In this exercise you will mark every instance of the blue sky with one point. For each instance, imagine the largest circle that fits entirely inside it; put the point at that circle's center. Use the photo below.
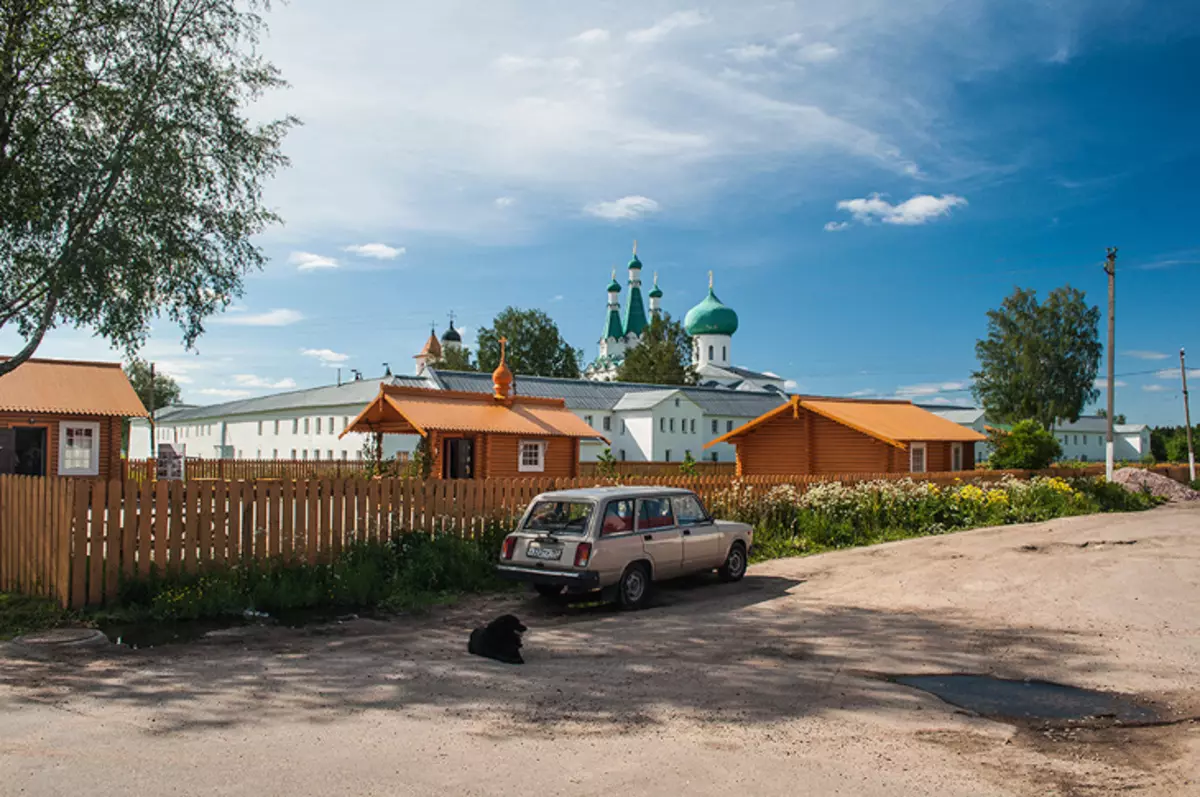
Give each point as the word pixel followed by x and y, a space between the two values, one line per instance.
pixel 866 179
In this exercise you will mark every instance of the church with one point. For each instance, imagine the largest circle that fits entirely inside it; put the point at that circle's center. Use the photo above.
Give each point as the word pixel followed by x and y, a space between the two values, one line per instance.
pixel 711 325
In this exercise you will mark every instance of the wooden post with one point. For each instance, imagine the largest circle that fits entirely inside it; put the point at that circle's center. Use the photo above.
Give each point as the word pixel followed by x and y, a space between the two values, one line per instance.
pixel 1110 268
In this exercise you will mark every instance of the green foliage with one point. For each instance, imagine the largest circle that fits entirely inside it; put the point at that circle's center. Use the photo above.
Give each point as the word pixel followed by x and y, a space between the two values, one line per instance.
pixel 456 360
pixel 535 346
pixel 832 515
pixel 1027 446
pixel 688 466
pixel 664 357
pixel 1039 360
pixel 1103 413
pixel 606 464
pixel 409 571
pixel 130 172
pixel 1148 459
pixel 165 391
pixel 420 464
pixel 1195 484
pixel 24 614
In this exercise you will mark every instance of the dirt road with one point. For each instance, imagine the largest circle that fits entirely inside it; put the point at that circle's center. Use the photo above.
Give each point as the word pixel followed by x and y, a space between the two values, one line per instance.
pixel 774 686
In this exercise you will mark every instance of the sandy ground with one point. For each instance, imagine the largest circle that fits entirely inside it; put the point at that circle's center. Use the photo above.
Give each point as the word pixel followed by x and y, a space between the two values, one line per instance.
pixel 768 687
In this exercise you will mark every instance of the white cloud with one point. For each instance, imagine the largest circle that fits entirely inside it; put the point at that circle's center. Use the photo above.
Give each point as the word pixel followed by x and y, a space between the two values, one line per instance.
pixel 1173 373
pixel 224 392
pixel 272 318
pixel 592 36
pixel 377 251
pixel 680 20
pixel 817 52
pixel 327 357
pixel 250 380
pixel 307 261
pixel 521 63
pixel 1153 388
pixel 751 52
pixel 1145 355
pixel 930 389
pixel 557 298
pixel 1102 384
pixel 791 385
pixel 627 207
pixel 861 393
pixel 940 401
pixel 836 226
pixel 917 210
pixel 505 201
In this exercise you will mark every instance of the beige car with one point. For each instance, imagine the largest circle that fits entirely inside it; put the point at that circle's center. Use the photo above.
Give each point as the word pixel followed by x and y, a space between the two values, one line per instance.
pixel 619 540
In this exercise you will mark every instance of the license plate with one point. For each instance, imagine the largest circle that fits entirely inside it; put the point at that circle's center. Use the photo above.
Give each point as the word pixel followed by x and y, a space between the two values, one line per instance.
pixel 538 552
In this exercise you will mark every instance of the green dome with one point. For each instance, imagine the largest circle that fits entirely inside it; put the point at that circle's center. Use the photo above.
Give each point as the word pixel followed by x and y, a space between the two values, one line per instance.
pixel 634 262
pixel 614 286
pixel 655 292
pixel 710 317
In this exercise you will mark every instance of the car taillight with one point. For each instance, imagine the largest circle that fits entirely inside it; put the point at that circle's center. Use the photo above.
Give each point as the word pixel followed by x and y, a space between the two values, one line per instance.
pixel 583 553
pixel 510 545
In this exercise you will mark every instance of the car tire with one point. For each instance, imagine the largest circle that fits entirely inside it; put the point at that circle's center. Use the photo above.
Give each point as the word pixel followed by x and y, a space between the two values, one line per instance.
pixel 633 590
pixel 549 590
pixel 735 563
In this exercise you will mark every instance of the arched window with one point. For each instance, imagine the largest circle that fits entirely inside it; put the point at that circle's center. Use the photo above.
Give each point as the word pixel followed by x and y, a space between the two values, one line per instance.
pixel 724 356
pixel 710 352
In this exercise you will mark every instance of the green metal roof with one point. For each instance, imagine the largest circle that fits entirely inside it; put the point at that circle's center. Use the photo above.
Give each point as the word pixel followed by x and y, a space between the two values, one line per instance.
pixel 710 317
pixel 612 327
pixel 635 311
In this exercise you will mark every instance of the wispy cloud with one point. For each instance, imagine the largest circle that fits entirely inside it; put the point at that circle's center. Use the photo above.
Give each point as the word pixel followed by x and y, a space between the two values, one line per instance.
pixel 505 201
pixel 791 385
pixel 327 357
pixel 377 251
pixel 1102 383
pixel 1153 388
pixel 1173 373
pixel 592 36
pixel 836 226
pixel 1145 355
pixel 862 393
pixel 751 52
pixel 680 20
pixel 817 52
pixel 308 261
pixel 919 209
pixel 251 380
pixel 627 207
pixel 930 389
pixel 281 317
pixel 224 392
pixel 556 298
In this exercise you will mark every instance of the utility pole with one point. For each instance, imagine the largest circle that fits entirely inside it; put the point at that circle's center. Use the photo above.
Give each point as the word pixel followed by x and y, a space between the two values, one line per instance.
pixel 1110 268
pixel 1187 418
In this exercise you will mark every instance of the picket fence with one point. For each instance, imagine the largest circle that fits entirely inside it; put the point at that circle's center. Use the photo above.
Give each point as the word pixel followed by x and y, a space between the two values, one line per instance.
pixel 76 540
pixel 246 469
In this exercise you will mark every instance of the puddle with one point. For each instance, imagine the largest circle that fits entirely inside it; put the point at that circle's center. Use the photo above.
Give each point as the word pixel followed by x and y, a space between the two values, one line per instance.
pixel 1031 700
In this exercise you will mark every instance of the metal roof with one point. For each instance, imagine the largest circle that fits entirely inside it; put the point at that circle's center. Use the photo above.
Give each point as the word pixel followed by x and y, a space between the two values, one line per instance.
pixel 69 387
pixel 645 399
pixel 356 394
pixel 583 394
pixel 602 492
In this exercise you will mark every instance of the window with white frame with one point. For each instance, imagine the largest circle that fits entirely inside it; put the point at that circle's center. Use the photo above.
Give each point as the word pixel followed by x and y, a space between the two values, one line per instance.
pixel 662 424
pixel 306 425
pixel 728 426
pixel 624 428
pixel 78 448
pixel 715 456
pixel 276 426
pixel 589 420
pixel 532 456
pixel 318 425
pixel 692 425
pixel 916 461
pixel 331 425
pixel 668 453
pixel 345 421
pixel 329 454
pixel 274 453
pixel 293 453
pixel 260 424
pixel 714 425
pixel 622 455
pixel 304 453
pixel 607 423
pixel 295 427
pixel 345 455
pixel 672 424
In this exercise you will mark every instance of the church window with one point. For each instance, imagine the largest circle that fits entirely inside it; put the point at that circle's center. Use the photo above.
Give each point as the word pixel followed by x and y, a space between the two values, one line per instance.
pixel 693 425
pixel 672 424
pixel 714 426
pixel 710 352
pixel 724 355
pixel 624 428
pixel 607 423
pixel 728 426
pixel 668 455
pixel 622 455
pixel 662 424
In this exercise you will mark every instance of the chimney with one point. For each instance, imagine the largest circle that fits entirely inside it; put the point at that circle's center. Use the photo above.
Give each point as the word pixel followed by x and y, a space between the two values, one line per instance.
pixel 502 378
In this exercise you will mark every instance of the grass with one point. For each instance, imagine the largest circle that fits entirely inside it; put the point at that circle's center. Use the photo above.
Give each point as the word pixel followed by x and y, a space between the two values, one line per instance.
pixel 24 614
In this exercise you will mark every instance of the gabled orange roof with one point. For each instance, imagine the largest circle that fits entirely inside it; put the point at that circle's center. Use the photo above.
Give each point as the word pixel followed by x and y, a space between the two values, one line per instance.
pixel 408 410
pixel 432 350
pixel 893 422
pixel 69 387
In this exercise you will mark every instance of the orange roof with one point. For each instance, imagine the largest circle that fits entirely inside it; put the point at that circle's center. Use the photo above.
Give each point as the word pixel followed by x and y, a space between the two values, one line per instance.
pixel 409 410
pixel 70 388
pixel 893 422
pixel 432 350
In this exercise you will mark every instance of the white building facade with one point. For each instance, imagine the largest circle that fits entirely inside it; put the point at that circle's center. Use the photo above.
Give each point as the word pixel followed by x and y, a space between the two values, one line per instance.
pixel 1081 441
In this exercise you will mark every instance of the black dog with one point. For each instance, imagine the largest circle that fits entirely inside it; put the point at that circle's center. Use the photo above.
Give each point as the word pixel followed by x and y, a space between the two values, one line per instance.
pixel 500 640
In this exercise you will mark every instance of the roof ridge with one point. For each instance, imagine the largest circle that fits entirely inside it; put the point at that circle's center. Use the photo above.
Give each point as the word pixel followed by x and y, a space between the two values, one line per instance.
pixel 51 361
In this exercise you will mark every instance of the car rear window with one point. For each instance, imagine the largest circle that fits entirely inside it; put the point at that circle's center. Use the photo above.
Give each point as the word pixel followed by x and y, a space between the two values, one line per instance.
pixel 618 518
pixel 655 513
pixel 560 517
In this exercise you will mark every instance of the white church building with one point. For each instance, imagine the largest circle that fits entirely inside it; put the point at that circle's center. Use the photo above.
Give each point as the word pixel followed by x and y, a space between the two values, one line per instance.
pixel 655 423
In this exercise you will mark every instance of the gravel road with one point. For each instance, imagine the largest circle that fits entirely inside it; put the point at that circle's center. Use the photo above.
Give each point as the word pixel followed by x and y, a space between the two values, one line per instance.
pixel 773 686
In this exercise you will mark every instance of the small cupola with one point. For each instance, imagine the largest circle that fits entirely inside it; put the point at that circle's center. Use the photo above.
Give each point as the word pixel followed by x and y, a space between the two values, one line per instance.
pixel 502 378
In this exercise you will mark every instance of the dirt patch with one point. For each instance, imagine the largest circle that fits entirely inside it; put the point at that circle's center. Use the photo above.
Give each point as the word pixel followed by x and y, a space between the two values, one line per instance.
pixel 1138 480
pixel 1031 548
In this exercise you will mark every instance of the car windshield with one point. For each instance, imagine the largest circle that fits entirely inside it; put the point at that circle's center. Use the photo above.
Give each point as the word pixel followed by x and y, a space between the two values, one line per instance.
pixel 570 517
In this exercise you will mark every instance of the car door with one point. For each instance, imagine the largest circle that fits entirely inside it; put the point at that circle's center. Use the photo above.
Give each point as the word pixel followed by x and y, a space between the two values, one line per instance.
pixel 617 543
pixel 702 539
pixel 662 540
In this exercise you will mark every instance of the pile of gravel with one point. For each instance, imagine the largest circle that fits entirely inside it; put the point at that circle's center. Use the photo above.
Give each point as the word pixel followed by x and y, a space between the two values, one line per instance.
pixel 1138 479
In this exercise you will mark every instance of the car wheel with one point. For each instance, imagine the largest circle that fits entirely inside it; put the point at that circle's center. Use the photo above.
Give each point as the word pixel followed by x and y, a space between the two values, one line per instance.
pixel 549 590
pixel 633 590
pixel 735 563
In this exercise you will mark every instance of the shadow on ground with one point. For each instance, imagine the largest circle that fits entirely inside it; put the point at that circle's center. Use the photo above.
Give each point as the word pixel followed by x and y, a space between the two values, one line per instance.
pixel 749 653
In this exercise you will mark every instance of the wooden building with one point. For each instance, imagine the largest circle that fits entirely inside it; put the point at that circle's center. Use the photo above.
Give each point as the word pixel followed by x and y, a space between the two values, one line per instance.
pixel 479 436
pixel 831 435
pixel 64 418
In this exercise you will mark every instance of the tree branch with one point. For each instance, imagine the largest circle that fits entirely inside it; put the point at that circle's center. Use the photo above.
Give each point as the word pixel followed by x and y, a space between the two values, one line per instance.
pixel 35 340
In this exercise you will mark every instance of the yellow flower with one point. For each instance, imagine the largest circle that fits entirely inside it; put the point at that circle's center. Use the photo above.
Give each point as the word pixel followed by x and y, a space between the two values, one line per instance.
pixel 997 497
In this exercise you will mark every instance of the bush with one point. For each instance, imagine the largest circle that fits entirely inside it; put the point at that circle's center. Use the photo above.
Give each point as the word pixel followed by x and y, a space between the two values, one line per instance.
pixel 1028 446
pixel 24 614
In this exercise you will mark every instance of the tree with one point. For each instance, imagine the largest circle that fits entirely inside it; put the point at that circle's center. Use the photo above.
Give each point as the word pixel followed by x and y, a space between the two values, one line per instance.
pixel 1103 413
pixel 1028 446
pixel 130 176
pixel 664 357
pixel 456 360
pixel 165 392
pixel 606 465
pixel 1039 361
pixel 535 346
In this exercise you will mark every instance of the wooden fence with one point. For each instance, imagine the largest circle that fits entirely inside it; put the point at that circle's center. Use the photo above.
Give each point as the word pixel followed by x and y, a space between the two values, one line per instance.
pixel 76 540
pixel 591 469
pixel 249 469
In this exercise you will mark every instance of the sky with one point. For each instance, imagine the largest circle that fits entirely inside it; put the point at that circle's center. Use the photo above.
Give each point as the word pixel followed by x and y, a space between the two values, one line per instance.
pixel 865 178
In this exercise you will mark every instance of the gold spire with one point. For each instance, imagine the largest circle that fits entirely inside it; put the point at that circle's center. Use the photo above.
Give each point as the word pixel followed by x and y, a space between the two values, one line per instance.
pixel 656 279
pixel 635 247
pixel 710 280
pixel 614 276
